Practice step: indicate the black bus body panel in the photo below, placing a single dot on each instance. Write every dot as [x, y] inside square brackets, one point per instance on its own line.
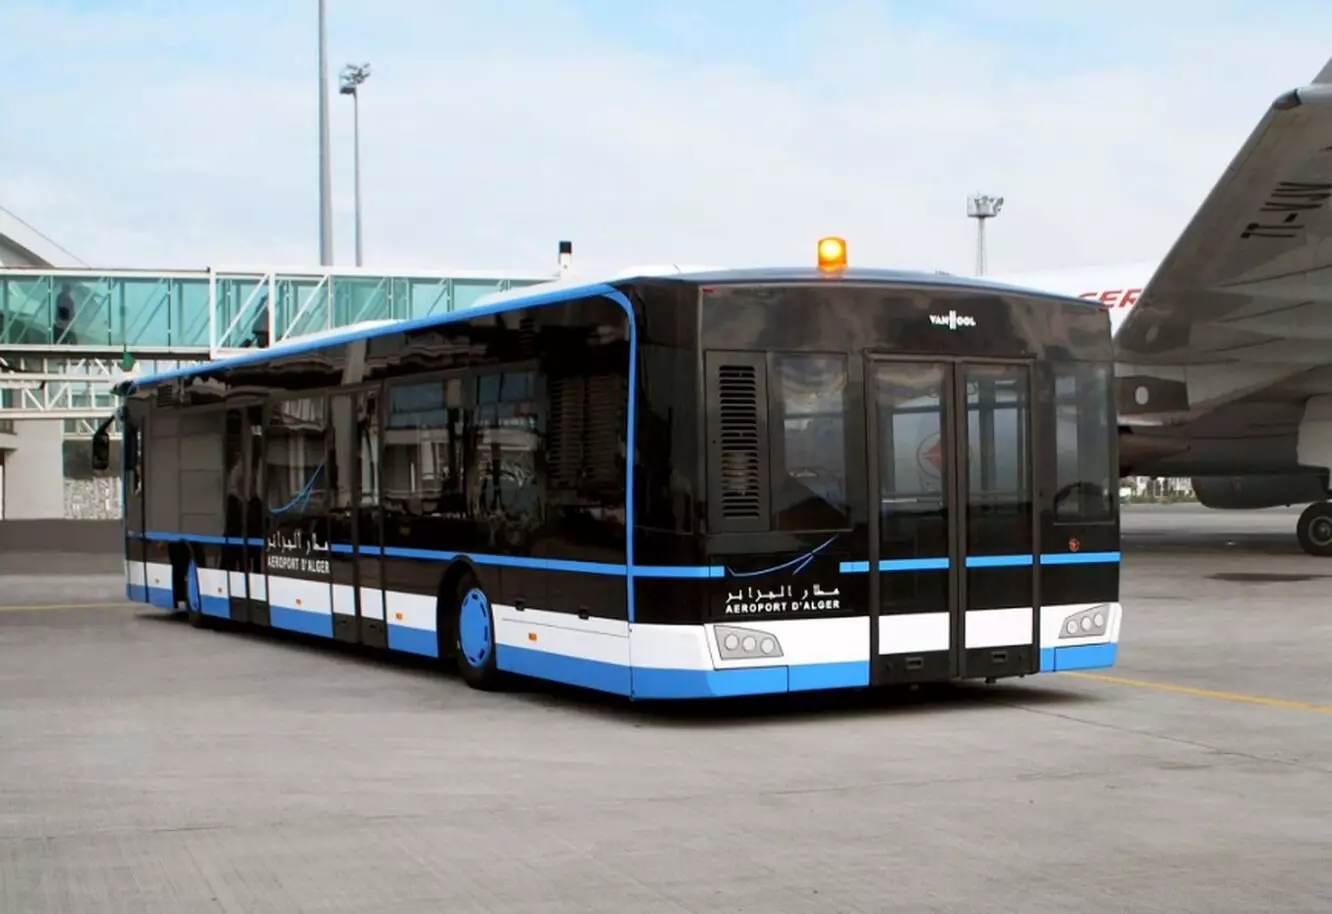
[527, 411]
[769, 349]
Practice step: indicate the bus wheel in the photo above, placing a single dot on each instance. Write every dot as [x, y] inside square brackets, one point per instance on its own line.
[474, 634]
[194, 596]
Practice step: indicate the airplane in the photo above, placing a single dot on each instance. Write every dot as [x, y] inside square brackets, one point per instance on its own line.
[1224, 349]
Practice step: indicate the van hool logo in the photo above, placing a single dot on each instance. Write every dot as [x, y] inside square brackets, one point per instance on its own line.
[952, 320]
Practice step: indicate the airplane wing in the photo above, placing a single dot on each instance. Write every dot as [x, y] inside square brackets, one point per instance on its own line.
[1244, 297]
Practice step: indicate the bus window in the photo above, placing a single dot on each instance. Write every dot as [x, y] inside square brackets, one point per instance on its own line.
[809, 443]
[1084, 483]
[426, 464]
[295, 478]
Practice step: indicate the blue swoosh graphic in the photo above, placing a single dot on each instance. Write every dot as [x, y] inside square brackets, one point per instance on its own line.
[801, 561]
[303, 496]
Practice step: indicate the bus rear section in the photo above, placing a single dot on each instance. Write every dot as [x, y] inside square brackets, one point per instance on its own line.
[906, 483]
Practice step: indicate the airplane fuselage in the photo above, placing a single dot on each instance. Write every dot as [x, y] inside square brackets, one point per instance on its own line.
[1116, 288]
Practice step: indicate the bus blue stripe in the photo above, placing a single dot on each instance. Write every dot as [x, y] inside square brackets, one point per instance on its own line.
[615, 569]
[998, 561]
[983, 561]
[1080, 558]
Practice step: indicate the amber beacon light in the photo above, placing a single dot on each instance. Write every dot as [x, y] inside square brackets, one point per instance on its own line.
[832, 254]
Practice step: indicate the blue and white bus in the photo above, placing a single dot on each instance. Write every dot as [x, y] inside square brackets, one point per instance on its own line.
[662, 486]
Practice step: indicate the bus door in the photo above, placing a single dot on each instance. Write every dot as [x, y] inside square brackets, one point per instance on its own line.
[253, 524]
[358, 595]
[952, 560]
[131, 481]
[240, 555]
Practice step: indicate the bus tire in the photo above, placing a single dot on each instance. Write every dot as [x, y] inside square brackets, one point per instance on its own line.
[473, 625]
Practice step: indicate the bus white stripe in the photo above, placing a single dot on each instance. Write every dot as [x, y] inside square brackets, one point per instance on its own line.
[134, 574]
[301, 595]
[158, 576]
[213, 583]
[344, 600]
[602, 640]
[913, 633]
[410, 610]
[998, 627]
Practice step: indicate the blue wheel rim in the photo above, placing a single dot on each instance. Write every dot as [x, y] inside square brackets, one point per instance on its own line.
[192, 587]
[475, 637]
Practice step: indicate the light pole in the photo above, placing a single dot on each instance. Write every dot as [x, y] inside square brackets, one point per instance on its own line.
[980, 208]
[352, 77]
[325, 166]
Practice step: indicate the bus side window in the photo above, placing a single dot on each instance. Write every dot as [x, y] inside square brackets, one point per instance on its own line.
[809, 483]
[1084, 483]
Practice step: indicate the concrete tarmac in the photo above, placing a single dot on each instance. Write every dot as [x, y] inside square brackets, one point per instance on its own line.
[148, 767]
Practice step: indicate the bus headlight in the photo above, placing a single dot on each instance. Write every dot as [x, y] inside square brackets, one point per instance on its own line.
[1086, 623]
[736, 643]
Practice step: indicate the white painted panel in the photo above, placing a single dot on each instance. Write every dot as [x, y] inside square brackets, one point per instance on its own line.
[913, 633]
[291, 593]
[237, 583]
[998, 627]
[344, 599]
[213, 583]
[605, 640]
[258, 587]
[1116, 622]
[134, 573]
[617, 627]
[158, 575]
[410, 609]
[670, 647]
[803, 641]
[372, 603]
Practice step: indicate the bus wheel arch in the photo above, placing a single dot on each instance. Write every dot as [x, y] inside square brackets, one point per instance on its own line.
[465, 622]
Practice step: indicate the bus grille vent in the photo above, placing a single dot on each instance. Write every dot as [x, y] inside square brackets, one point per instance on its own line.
[737, 388]
[527, 337]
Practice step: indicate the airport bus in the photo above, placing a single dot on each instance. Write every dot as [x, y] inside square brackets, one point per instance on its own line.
[663, 485]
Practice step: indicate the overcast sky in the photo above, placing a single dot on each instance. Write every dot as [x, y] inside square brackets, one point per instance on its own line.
[727, 132]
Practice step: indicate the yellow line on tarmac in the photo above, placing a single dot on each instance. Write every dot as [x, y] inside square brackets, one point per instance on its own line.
[37, 607]
[1207, 693]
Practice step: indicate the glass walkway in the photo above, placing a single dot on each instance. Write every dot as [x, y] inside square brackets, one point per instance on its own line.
[202, 313]
[63, 333]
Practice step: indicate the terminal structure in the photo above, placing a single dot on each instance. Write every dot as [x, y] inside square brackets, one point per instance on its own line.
[68, 333]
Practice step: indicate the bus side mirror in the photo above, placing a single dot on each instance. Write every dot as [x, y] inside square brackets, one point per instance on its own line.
[101, 451]
[101, 446]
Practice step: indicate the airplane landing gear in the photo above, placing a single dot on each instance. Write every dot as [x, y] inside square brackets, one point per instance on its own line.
[1314, 529]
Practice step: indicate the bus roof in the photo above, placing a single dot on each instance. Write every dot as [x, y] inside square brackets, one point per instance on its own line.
[569, 288]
